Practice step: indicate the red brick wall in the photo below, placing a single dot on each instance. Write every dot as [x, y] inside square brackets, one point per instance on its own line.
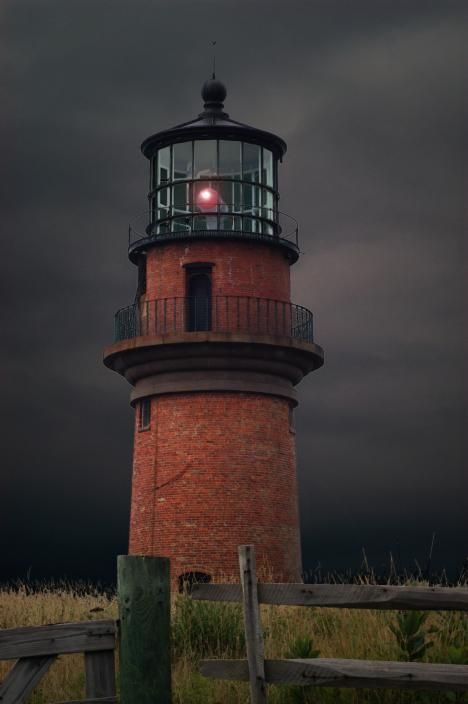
[240, 269]
[216, 470]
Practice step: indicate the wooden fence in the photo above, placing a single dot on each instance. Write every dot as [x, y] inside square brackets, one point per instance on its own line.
[36, 649]
[328, 672]
[143, 632]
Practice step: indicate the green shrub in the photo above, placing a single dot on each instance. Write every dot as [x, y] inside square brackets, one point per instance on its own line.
[302, 647]
[410, 635]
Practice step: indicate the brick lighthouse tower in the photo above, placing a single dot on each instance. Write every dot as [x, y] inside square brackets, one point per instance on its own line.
[213, 348]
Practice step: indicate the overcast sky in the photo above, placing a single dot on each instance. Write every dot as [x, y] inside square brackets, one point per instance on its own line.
[369, 98]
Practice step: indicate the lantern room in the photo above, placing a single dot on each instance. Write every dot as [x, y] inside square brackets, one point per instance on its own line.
[213, 184]
[214, 177]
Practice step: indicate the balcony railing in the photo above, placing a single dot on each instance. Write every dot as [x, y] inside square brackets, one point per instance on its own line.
[255, 222]
[228, 314]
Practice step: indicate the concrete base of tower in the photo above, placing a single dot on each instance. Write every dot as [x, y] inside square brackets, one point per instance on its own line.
[215, 470]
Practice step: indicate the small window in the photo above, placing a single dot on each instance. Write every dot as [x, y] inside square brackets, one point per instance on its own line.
[145, 414]
[292, 420]
[141, 287]
[188, 579]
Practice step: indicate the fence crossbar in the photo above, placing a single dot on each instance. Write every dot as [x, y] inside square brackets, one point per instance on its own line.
[36, 648]
[57, 639]
[348, 596]
[328, 672]
[334, 672]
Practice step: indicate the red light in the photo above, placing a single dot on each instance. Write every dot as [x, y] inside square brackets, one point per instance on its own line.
[207, 199]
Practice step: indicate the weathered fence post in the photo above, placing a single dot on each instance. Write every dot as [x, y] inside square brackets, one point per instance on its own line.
[143, 586]
[100, 674]
[252, 623]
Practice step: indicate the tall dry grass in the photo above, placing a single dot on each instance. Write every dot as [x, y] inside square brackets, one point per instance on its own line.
[202, 629]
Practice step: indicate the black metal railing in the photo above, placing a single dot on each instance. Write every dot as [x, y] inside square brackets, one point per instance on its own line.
[256, 222]
[243, 314]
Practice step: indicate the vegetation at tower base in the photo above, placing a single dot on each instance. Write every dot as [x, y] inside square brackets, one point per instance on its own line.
[206, 629]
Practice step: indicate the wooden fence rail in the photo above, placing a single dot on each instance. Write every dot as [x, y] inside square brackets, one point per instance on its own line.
[328, 672]
[143, 593]
[36, 648]
[349, 596]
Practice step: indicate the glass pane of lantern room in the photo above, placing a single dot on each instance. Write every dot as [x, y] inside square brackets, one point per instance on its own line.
[163, 210]
[267, 211]
[164, 165]
[229, 168]
[251, 162]
[179, 198]
[205, 158]
[267, 172]
[225, 191]
[229, 159]
[251, 210]
[256, 224]
[180, 206]
[182, 160]
[153, 172]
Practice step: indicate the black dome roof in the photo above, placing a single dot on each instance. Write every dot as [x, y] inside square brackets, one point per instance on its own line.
[213, 91]
[213, 123]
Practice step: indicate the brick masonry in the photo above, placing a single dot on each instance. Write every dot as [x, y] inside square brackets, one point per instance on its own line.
[216, 470]
[239, 269]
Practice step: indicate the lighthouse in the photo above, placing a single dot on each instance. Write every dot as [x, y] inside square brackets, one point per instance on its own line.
[213, 349]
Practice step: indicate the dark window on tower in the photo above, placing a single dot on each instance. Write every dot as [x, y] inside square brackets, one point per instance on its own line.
[144, 419]
[199, 297]
[292, 420]
[187, 579]
[141, 288]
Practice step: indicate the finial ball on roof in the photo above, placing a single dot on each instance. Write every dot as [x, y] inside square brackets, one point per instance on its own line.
[213, 91]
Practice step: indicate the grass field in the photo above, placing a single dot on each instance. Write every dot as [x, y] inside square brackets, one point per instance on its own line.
[202, 629]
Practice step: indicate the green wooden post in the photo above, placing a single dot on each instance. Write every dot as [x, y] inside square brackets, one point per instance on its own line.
[143, 587]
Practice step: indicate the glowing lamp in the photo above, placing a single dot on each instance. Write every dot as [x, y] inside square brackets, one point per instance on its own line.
[207, 199]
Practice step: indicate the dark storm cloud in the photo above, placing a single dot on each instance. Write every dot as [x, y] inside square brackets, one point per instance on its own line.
[369, 98]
